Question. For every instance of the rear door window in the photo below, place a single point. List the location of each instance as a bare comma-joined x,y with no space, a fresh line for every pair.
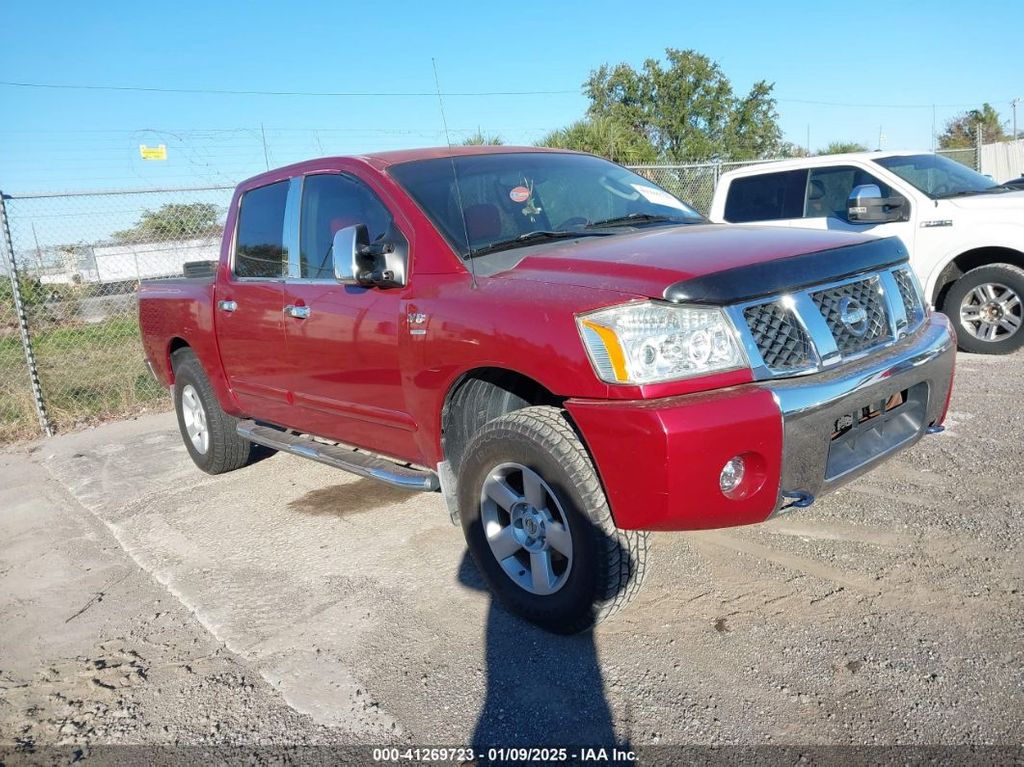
766,197
260,252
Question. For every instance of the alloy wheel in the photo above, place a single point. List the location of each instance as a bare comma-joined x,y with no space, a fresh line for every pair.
991,312
194,415
526,528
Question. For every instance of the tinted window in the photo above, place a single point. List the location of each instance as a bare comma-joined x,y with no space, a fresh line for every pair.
331,202
259,248
829,188
767,197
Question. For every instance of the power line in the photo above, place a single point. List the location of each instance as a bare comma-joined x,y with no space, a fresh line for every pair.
884,106
232,92
423,94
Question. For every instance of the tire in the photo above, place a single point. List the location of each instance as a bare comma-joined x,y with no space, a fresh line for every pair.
553,500
473,404
208,432
986,306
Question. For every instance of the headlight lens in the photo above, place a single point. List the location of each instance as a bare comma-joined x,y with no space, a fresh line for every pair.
649,342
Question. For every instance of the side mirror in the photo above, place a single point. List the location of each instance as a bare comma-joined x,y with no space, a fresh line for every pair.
358,262
867,206
345,250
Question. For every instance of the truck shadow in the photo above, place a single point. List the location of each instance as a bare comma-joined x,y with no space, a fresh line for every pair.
542,689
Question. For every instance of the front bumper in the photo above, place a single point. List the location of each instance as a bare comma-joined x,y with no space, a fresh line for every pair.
660,460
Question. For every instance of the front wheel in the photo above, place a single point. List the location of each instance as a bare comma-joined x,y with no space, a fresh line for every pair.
538,524
987,309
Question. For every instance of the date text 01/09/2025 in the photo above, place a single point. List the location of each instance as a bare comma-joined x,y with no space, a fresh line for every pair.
502,754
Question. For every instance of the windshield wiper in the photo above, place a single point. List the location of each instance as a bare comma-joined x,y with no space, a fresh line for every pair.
529,239
967,192
634,218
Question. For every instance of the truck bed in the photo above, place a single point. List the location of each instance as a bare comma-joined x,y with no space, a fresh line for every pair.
179,307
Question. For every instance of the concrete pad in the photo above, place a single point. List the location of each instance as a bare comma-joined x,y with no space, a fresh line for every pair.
889,612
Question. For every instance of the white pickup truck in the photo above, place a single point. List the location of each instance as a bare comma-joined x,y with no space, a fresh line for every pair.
964,232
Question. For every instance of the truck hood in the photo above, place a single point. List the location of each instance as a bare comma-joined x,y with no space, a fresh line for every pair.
1004,202
660,263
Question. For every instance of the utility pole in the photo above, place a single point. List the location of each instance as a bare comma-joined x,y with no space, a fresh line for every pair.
934,136
39,251
1014,104
979,137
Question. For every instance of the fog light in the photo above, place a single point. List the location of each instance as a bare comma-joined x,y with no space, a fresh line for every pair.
732,474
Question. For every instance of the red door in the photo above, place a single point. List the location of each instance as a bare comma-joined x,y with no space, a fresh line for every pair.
345,375
248,313
343,342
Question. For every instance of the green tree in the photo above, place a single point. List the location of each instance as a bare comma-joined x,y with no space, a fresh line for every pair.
687,108
789,149
480,139
603,136
961,131
174,221
843,147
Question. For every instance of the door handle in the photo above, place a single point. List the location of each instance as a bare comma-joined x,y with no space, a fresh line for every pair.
298,312
227,306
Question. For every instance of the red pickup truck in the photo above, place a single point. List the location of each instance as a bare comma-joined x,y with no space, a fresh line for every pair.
565,350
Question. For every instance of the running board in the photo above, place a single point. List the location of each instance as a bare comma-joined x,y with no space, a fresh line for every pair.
345,458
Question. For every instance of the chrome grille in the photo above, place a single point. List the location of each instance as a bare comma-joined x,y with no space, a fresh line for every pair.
911,303
824,325
783,344
835,305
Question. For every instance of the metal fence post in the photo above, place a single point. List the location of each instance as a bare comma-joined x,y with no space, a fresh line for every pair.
19,308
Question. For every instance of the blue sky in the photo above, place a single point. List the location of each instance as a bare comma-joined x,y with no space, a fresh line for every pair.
898,57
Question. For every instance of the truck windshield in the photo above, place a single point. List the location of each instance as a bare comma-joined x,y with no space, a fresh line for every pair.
938,176
486,203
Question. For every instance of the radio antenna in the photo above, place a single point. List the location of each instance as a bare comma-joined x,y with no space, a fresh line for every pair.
455,176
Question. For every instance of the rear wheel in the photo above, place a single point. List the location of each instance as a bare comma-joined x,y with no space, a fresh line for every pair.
987,308
538,525
208,432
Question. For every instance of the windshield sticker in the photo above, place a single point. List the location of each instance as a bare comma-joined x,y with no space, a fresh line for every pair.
519,194
659,196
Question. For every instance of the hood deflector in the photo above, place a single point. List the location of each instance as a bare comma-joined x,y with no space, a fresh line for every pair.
787,274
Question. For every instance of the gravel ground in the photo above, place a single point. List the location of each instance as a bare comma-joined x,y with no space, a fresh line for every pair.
143,602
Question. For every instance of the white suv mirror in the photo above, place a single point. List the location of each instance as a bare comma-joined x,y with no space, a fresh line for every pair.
867,206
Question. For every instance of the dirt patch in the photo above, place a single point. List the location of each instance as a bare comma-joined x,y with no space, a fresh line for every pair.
350,498
77,699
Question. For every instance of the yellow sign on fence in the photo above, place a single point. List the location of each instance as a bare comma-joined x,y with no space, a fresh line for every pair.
153,152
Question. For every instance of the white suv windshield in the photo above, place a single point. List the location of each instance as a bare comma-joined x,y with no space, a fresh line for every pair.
491,202
938,176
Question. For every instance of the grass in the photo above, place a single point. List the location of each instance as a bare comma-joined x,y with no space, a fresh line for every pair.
87,373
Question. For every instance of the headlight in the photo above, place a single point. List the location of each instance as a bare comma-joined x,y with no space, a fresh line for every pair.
650,342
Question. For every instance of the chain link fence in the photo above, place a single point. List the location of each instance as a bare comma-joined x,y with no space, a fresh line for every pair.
68,299
694,183
969,156
69,337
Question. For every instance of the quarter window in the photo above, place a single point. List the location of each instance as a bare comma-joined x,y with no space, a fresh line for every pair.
766,197
260,251
331,202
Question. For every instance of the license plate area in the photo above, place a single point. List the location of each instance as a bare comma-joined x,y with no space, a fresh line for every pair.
875,428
